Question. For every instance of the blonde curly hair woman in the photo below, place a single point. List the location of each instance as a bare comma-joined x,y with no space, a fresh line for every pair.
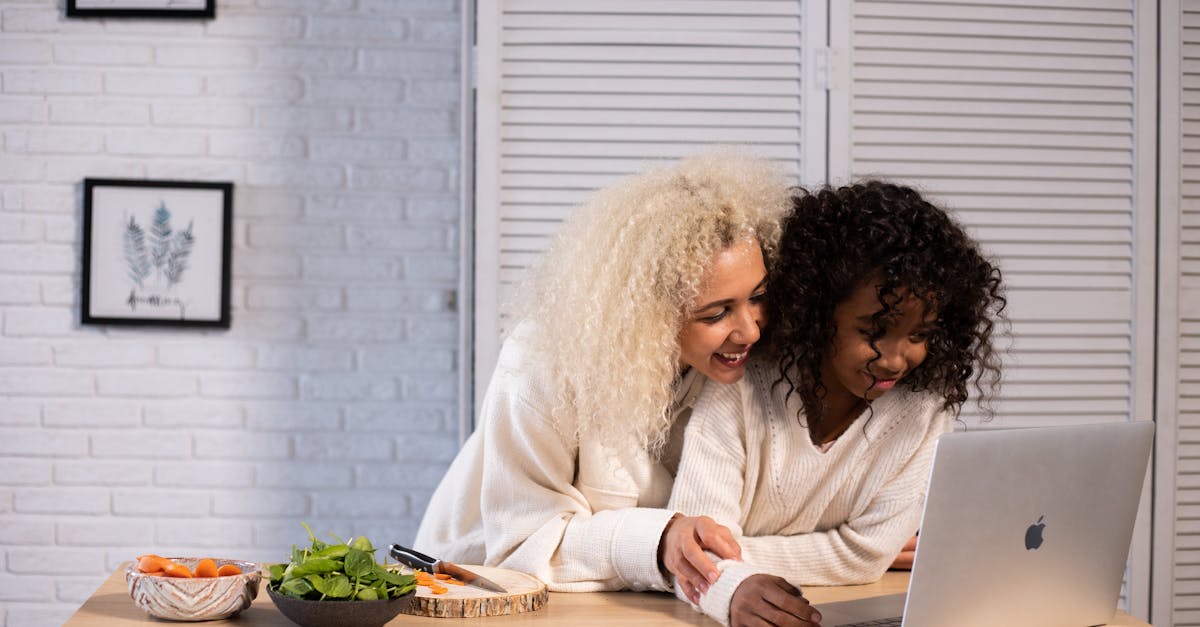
653,286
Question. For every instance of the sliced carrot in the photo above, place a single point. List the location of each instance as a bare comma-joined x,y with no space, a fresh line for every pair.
443,576
454,582
228,569
439,589
151,563
171,569
205,568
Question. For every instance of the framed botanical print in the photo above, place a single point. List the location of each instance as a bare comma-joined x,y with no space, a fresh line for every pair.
156,252
142,8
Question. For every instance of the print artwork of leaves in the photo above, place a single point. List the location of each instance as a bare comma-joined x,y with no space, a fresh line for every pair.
177,259
160,237
166,251
135,252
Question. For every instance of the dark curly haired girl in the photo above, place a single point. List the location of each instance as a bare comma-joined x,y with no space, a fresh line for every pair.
881,312
886,239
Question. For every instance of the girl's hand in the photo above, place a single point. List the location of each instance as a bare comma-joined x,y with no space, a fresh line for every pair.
764,600
904,561
682,552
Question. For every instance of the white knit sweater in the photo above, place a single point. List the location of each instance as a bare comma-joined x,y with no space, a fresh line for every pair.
521,495
812,517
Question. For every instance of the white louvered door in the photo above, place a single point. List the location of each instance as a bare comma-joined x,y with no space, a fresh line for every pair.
1030,139
572,95
1177,528
1187,568
1034,122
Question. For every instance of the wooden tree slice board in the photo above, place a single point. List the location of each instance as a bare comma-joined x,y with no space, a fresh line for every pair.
526,593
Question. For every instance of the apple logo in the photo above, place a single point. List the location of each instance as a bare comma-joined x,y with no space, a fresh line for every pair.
1033,535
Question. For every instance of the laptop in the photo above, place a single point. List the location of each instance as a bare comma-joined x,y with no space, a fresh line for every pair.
1025,527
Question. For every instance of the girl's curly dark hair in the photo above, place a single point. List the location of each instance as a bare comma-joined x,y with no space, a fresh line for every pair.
834,240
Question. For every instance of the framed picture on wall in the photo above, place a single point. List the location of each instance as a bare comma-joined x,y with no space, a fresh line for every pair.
142,8
156,252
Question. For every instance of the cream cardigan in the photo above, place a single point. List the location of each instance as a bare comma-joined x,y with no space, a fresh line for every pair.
522,495
811,517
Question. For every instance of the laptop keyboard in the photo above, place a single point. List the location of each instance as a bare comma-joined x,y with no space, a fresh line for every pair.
883,622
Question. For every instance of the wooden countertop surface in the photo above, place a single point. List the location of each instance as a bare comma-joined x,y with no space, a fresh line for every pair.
110,606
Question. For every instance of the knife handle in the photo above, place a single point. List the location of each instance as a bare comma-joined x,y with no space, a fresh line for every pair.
413,558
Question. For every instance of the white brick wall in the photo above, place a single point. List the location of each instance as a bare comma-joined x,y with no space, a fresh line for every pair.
332,399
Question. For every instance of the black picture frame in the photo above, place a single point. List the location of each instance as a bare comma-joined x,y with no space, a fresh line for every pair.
202,9
142,266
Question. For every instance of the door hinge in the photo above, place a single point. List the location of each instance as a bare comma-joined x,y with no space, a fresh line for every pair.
821,61
473,71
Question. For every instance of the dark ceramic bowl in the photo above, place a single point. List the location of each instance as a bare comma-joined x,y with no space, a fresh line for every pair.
339,613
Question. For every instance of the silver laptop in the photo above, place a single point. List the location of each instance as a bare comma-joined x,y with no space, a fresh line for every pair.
1025,527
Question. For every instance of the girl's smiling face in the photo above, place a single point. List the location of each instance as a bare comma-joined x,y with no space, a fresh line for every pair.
859,367
728,314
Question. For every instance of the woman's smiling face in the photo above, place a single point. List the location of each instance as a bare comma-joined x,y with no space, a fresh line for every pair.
728,314
859,367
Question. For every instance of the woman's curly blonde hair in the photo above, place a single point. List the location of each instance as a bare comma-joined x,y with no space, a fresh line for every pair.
608,296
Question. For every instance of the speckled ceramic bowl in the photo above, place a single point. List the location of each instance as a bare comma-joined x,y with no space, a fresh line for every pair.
339,613
197,599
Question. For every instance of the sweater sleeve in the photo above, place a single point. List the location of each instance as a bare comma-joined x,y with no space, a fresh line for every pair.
711,480
536,521
862,548
717,601
712,467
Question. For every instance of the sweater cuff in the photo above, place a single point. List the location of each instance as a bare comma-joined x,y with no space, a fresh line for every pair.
715,603
635,548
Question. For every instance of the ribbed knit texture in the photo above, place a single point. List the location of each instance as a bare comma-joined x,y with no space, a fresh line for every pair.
833,518
580,516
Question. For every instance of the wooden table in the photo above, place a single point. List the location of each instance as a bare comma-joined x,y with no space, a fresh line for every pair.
111,606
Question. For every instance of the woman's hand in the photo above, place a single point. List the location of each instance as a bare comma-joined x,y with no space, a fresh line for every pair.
764,600
904,561
681,552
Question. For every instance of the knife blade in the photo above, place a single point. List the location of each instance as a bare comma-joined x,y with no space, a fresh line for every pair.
420,561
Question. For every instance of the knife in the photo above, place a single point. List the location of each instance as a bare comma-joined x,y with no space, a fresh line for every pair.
420,561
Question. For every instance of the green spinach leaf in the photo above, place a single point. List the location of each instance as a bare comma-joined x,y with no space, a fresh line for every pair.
359,563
